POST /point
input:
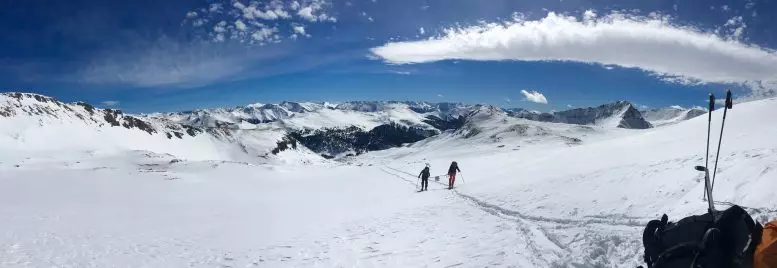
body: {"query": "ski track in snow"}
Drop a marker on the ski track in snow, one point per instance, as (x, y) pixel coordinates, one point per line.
(553, 251)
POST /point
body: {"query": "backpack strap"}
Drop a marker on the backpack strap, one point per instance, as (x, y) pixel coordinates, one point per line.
(741, 233)
(678, 251)
(651, 240)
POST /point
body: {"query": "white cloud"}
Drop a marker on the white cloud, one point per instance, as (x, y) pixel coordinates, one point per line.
(299, 29)
(675, 53)
(508, 100)
(421, 31)
(724, 8)
(282, 13)
(307, 13)
(252, 12)
(191, 14)
(238, 5)
(570, 106)
(315, 11)
(401, 72)
(440, 95)
(676, 107)
(369, 18)
(215, 7)
(199, 22)
(219, 31)
(264, 34)
(534, 96)
(735, 27)
(110, 103)
(240, 25)
(249, 19)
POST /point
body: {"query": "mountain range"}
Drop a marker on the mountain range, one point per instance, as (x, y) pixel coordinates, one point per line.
(266, 131)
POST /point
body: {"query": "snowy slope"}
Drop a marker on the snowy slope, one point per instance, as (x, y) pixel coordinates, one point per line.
(35, 124)
(671, 115)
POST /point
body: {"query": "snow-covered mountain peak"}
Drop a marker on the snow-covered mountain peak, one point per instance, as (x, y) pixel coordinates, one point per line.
(672, 114)
(483, 110)
(17, 103)
(300, 107)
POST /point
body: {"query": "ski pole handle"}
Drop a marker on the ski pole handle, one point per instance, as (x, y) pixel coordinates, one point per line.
(712, 104)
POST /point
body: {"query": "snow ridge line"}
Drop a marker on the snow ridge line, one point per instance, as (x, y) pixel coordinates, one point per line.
(591, 219)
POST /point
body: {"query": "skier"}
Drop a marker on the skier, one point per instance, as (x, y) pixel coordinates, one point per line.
(452, 174)
(424, 178)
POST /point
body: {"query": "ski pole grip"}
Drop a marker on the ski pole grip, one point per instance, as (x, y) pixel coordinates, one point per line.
(729, 102)
(712, 103)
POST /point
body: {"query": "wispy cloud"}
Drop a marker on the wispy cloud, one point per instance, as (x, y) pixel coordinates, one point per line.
(507, 100)
(369, 18)
(534, 96)
(110, 103)
(174, 64)
(655, 44)
(163, 63)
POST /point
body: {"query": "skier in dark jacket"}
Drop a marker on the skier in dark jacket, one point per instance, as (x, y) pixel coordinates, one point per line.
(452, 174)
(424, 178)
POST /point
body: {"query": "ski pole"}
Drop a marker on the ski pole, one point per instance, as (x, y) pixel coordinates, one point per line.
(709, 125)
(462, 177)
(729, 105)
(707, 188)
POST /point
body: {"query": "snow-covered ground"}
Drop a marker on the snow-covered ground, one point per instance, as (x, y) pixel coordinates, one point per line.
(532, 194)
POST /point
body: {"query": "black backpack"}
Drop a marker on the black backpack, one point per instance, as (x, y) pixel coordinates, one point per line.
(715, 239)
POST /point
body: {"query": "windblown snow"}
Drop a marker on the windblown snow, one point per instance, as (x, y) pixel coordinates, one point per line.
(79, 191)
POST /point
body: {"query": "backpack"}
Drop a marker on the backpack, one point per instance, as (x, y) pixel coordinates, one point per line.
(715, 239)
(766, 252)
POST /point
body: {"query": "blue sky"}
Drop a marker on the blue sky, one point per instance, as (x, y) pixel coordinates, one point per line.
(145, 56)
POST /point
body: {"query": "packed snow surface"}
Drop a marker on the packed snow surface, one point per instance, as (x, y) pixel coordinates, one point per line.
(532, 194)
